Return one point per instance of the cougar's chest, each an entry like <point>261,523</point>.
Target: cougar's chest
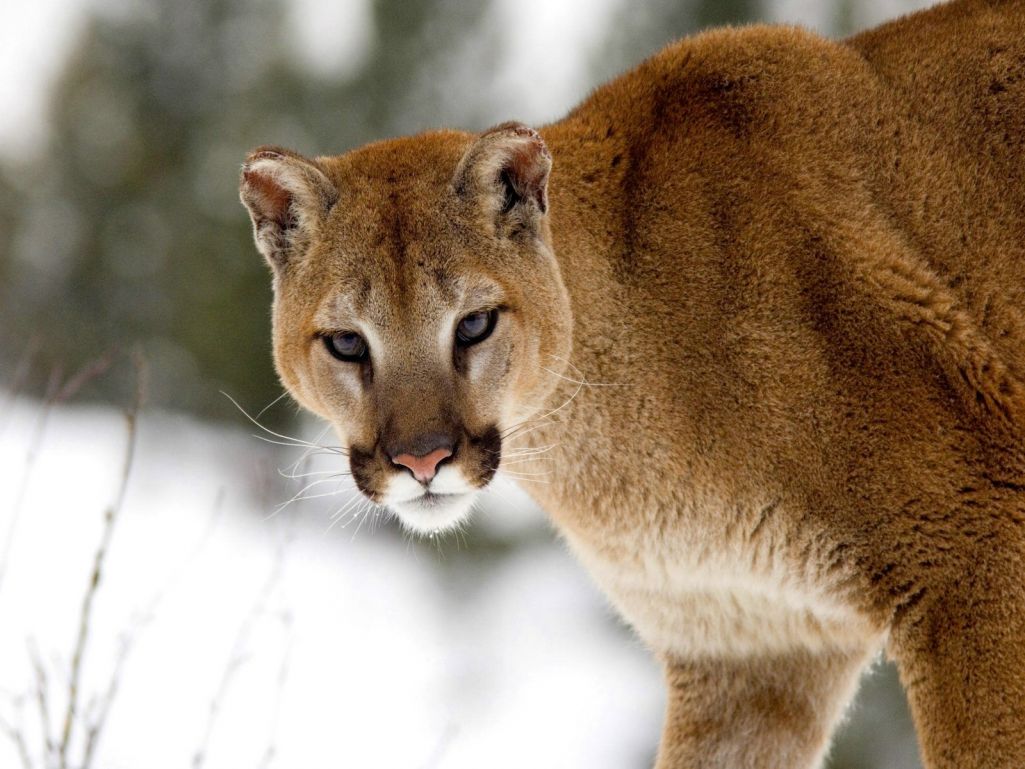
<point>719,591</point>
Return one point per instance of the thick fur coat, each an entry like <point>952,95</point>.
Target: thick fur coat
<point>758,325</point>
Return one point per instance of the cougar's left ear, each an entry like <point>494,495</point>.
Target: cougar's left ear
<point>288,197</point>
<point>507,169</point>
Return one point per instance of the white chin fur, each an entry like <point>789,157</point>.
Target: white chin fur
<point>428,515</point>
<point>447,502</point>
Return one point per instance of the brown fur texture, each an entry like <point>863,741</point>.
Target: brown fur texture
<point>759,352</point>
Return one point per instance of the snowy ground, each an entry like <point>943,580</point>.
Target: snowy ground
<point>266,640</point>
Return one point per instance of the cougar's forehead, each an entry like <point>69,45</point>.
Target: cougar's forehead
<point>424,300</point>
<point>399,260</point>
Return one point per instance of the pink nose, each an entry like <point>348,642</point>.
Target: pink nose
<point>423,467</point>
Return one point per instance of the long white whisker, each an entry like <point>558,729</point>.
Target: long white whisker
<point>526,451</point>
<point>294,467</point>
<point>264,409</point>
<point>526,454</point>
<point>526,479</point>
<point>526,473</point>
<point>318,482</point>
<point>525,428</point>
<point>343,513</point>
<point>312,448</point>
<point>582,382</point>
<point>304,498</point>
<point>336,479</point>
<point>310,474</point>
<point>362,517</point>
<point>565,403</point>
<point>340,513</point>
<point>292,441</point>
<point>581,374</point>
<point>551,413</point>
<point>523,461</point>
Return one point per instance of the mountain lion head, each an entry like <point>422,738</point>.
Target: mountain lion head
<point>417,304</point>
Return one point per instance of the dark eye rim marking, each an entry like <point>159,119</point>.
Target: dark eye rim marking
<point>466,338</point>
<point>357,351</point>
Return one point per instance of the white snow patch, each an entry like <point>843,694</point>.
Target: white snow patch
<point>366,651</point>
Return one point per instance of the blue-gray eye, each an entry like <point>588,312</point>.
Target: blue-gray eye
<point>348,346</point>
<point>476,327</point>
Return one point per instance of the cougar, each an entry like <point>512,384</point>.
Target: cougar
<point>748,324</point>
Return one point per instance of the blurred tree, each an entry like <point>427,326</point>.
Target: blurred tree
<point>7,208</point>
<point>642,28</point>
<point>129,229</point>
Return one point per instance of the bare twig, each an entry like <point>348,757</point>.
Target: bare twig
<point>21,375</point>
<point>150,610</point>
<point>94,725</point>
<point>447,736</point>
<point>279,692</point>
<point>90,371</point>
<point>15,735</point>
<point>237,657</point>
<point>42,701</point>
<point>97,719</point>
<point>34,443</point>
<point>56,393</point>
<point>109,521</point>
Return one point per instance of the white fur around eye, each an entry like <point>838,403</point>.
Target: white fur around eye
<point>350,380</point>
<point>378,349</point>
<point>447,334</point>
<point>479,360</point>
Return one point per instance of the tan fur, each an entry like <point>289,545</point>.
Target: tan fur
<point>761,356</point>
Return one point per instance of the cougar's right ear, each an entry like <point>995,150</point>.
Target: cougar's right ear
<point>506,171</point>
<point>288,197</point>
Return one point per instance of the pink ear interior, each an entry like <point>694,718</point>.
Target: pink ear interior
<point>527,167</point>
<point>270,199</point>
<point>528,162</point>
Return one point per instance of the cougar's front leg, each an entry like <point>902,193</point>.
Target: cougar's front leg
<point>772,712</point>
<point>959,639</point>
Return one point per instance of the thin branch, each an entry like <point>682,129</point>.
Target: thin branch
<point>444,742</point>
<point>55,393</point>
<point>18,381</point>
<point>94,726</point>
<point>287,620</point>
<point>14,735</point>
<point>237,656</point>
<point>31,455</point>
<point>216,511</point>
<point>90,371</point>
<point>42,701</point>
<point>109,521</point>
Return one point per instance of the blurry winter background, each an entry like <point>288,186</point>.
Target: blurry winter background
<point>162,603</point>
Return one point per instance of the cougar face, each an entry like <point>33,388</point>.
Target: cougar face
<point>418,306</point>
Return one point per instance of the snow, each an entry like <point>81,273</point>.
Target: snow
<point>331,649</point>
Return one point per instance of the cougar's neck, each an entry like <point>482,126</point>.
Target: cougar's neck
<point>572,429</point>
